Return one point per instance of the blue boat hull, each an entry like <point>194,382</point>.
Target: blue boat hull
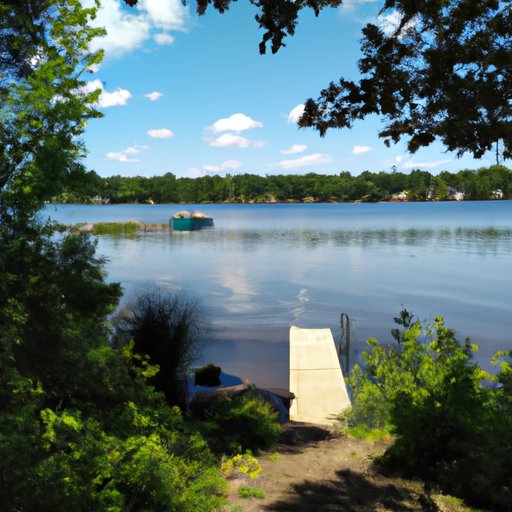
<point>190,223</point>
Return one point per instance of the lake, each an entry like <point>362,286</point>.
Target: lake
<point>265,267</point>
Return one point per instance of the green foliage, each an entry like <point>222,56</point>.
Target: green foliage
<point>367,433</point>
<point>235,424</point>
<point>43,104</point>
<point>80,428</point>
<point>368,186</point>
<point>247,492</point>
<point>447,425</point>
<point>84,467</point>
<point>116,228</point>
<point>442,73</point>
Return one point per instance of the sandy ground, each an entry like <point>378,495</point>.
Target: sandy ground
<point>316,469</point>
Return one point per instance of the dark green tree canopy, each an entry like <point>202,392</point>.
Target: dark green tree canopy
<point>445,72</point>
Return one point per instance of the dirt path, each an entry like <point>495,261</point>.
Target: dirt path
<point>314,469</point>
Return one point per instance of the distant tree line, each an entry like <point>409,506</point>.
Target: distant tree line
<point>493,182</point>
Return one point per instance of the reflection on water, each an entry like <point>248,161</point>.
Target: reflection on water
<point>474,240</point>
<point>265,268</point>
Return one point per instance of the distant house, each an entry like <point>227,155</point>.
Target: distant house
<point>99,200</point>
<point>400,196</point>
<point>496,194</point>
<point>455,195</point>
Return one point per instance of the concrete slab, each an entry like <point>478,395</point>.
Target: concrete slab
<point>316,378</point>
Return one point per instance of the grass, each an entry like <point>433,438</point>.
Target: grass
<point>368,434</point>
<point>273,457</point>
<point>116,228</point>
<point>447,503</point>
<point>246,492</point>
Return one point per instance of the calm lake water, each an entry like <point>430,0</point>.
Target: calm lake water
<point>263,268</point>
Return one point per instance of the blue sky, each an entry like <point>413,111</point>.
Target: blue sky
<point>193,96</point>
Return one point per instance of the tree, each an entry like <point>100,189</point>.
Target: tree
<point>449,419</point>
<point>419,181</point>
<point>44,105</point>
<point>277,18</point>
<point>444,72</point>
<point>167,329</point>
<point>80,429</point>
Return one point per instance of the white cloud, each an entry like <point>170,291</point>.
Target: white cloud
<point>112,99</point>
<point>93,68</point>
<point>212,168</point>
<point>163,39</point>
<point>390,22</point>
<point>236,123</point>
<point>194,172</point>
<point>122,156</point>
<point>36,60</point>
<point>162,133</point>
<point>295,113</point>
<point>229,140</point>
<point>128,28</point>
<point>314,159</point>
<point>411,164</point>
<point>294,149</point>
<point>360,150</point>
<point>168,14</point>
<point>351,4</point>
<point>153,96</point>
<point>108,99</point>
<point>227,165</point>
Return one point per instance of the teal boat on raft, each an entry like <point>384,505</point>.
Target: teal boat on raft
<point>190,221</point>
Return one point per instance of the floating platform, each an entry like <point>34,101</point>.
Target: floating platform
<point>316,378</point>
<point>190,221</point>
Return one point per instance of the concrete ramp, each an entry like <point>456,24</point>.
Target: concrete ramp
<point>316,379</point>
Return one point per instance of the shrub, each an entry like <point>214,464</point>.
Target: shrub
<point>166,327</point>
<point>234,424</point>
<point>208,375</point>
<point>448,428</point>
<point>241,464</point>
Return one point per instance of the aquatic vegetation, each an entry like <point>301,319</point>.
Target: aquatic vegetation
<point>116,228</point>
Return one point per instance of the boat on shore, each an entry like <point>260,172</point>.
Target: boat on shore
<point>190,221</point>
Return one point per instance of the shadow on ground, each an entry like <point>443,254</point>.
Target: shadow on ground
<point>349,492</point>
<point>355,486</point>
<point>296,436</point>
